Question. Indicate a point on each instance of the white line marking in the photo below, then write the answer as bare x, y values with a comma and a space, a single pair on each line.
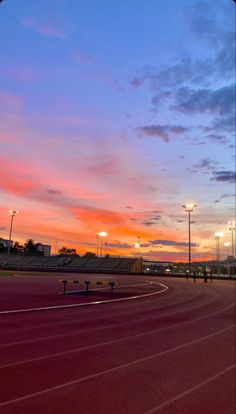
196, 387
84, 348
76, 305
114, 326
114, 369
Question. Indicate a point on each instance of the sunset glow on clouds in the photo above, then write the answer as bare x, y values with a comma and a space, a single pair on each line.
111, 121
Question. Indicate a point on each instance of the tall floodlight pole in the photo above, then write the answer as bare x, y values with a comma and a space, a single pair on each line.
12, 214
137, 245
100, 236
227, 244
189, 209
233, 242
218, 235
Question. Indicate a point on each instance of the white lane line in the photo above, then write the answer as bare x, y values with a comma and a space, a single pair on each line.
83, 348
190, 390
114, 326
76, 305
118, 325
65, 322
114, 369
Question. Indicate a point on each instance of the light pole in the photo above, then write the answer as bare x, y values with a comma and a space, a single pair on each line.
100, 236
12, 214
227, 244
137, 245
189, 209
218, 235
232, 229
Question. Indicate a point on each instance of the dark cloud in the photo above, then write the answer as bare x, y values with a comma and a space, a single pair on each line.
224, 176
220, 101
120, 245
229, 195
226, 124
170, 243
220, 139
206, 163
148, 223
51, 191
163, 131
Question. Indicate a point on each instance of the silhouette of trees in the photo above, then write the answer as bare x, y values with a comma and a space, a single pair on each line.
31, 249
65, 251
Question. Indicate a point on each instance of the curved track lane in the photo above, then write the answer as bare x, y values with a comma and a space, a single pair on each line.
170, 353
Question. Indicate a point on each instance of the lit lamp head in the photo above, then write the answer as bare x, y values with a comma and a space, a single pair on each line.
219, 234
13, 212
102, 234
189, 206
227, 244
231, 225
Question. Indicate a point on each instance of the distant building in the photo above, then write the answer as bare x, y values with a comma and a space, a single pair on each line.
43, 248
6, 242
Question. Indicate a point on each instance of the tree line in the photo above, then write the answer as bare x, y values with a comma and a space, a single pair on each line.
30, 248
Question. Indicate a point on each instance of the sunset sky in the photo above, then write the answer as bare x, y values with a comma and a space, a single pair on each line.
114, 114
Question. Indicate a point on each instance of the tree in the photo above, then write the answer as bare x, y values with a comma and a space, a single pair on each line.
31, 249
18, 248
64, 251
90, 254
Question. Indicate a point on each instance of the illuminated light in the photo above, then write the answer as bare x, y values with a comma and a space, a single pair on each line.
231, 225
227, 244
13, 212
189, 206
102, 234
219, 234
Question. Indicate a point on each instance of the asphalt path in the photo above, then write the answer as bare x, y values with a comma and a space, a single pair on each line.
160, 345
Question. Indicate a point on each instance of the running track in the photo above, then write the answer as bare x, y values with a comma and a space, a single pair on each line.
168, 353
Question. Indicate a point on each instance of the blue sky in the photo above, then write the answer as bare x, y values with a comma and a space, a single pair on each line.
114, 114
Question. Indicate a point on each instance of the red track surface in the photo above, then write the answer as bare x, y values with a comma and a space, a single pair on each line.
170, 353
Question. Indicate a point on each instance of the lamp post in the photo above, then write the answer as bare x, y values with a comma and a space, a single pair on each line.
227, 244
233, 241
137, 245
100, 236
218, 235
189, 209
12, 214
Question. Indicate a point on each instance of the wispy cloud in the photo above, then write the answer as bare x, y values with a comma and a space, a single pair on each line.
162, 132
170, 243
49, 29
220, 101
83, 58
224, 176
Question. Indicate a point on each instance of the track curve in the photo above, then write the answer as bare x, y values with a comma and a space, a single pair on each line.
170, 353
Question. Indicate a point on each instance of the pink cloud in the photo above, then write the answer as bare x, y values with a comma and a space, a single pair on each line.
47, 29
51, 30
82, 58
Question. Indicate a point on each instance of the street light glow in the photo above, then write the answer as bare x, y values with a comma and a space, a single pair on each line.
102, 234
231, 225
13, 212
219, 234
189, 206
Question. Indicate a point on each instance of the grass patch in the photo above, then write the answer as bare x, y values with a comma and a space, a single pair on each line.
6, 273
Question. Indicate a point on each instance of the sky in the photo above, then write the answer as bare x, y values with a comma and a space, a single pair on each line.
113, 115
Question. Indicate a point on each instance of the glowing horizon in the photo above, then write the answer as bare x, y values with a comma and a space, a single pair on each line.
112, 122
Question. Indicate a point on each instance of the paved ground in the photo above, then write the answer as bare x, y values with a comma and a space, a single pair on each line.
171, 351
